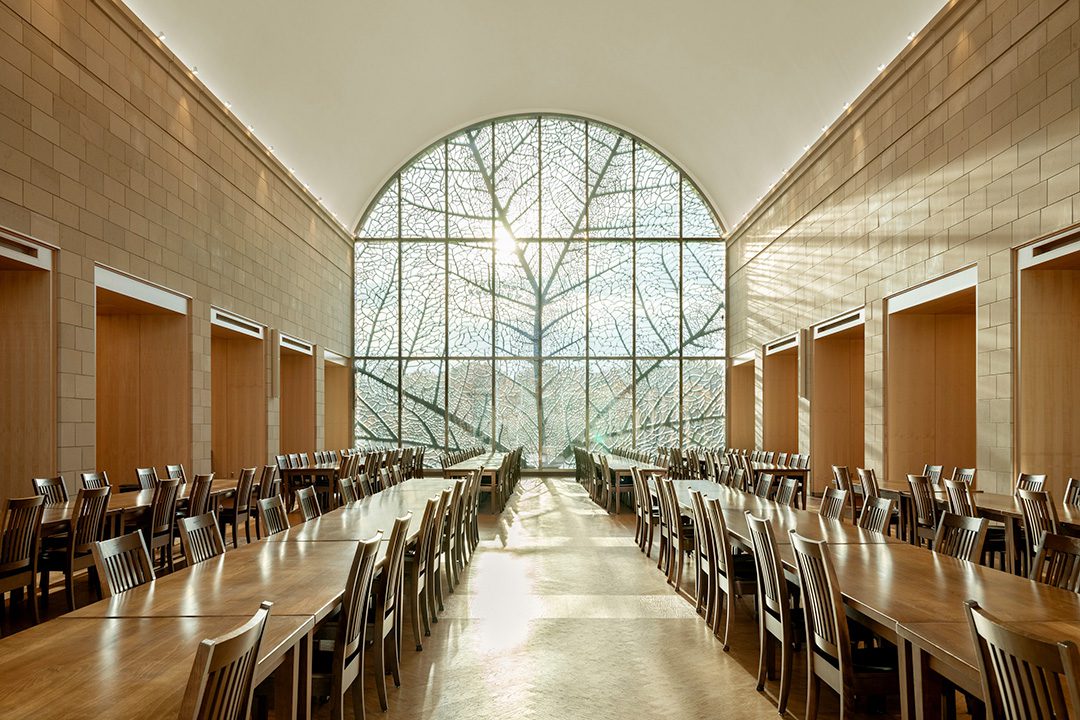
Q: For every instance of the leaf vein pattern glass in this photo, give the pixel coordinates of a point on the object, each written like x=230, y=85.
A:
x=542, y=281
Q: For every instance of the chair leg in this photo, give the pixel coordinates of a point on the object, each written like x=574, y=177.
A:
x=414, y=609
x=32, y=598
x=380, y=665
x=395, y=664
x=247, y=527
x=786, y=661
x=235, y=530
x=69, y=588
x=764, y=650
x=812, y=689
x=44, y=587
x=358, y=694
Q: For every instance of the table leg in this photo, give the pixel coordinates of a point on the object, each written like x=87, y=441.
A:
x=907, y=685
x=1011, y=549
x=927, y=687
x=286, y=684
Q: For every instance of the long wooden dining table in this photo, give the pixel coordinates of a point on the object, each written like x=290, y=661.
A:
x=129, y=655
x=908, y=595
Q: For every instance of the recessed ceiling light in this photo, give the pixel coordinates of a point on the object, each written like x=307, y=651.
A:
x=194, y=70
x=880, y=68
x=911, y=36
x=824, y=128
x=805, y=148
x=161, y=36
x=228, y=105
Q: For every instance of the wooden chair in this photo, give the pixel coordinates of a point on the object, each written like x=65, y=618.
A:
x=681, y=533
x=1028, y=481
x=868, y=481
x=764, y=486
x=53, y=489
x=775, y=622
x=1040, y=516
x=733, y=575
x=876, y=514
x=1040, y=677
x=434, y=582
x=122, y=563
x=831, y=658
x=199, y=497
x=346, y=490
x=842, y=480
x=147, y=477
x=386, y=628
x=932, y=473
x=176, y=472
x=617, y=486
x=416, y=572
x=926, y=512
x=704, y=552
x=349, y=635
x=94, y=480
x=450, y=535
x=273, y=516
x=200, y=538
x=268, y=486
x=20, y=537
x=787, y=492
x=238, y=509
x=73, y=550
x=832, y=503
x=159, y=525
x=1057, y=562
x=1072, y=493
x=964, y=475
x=309, y=503
x=961, y=536
x=960, y=499
x=647, y=511
x=222, y=678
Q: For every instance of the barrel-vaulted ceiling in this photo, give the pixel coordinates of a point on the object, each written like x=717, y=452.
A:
x=346, y=91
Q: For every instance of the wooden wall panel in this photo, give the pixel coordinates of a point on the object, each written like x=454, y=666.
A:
x=143, y=393
x=238, y=403
x=297, y=402
x=27, y=389
x=337, y=406
x=1049, y=422
x=780, y=396
x=930, y=414
x=837, y=406
x=741, y=420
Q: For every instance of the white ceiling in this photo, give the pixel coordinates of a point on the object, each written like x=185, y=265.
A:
x=347, y=91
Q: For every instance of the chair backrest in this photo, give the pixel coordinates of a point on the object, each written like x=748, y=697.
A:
x=932, y=473
x=272, y=515
x=199, y=496
x=961, y=501
x=964, y=475
x=93, y=480
x=832, y=503
x=266, y=481
x=1039, y=676
x=1057, y=562
x=242, y=500
x=88, y=519
x=876, y=514
x=826, y=621
x=347, y=489
x=1028, y=481
x=785, y=493
x=309, y=503
x=841, y=477
x=20, y=533
x=147, y=477
x=163, y=506
x=926, y=511
x=122, y=563
x=961, y=536
x=1040, y=516
x=426, y=534
x=222, y=678
x=439, y=523
x=721, y=541
x=53, y=489
x=353, y=621
x=704, y=540
x=1072, y=492
x=176, y=472
x=393, y=570
x=294, y=460
x=764, y=485
x=772, y=585
x=868, y=480
x=282, y=462
x=737, y=479
x=200, y=538
x=304, y=460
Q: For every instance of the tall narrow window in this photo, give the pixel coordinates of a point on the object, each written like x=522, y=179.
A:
x=540, y=281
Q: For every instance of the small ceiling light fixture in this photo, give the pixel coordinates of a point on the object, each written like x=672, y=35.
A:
x=847, y=105
x=250, y=129
x=805, y=148
x=161, y=36
x=880, y=68
x=228, y=105
x=194, y=69
x=270, y=148
x=824, y=128
x=910, y=36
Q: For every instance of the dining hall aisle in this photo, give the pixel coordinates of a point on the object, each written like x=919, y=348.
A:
x=560, y=616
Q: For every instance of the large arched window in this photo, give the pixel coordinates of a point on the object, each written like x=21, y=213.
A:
x=542, y=281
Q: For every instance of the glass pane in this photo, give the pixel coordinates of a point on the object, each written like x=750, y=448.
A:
x=697, y=221
x=469, y=177
x=376, y=282
x=376, y=402
x=422, y=412
x=517, y=384
x=517, y=178
x=657, y=202
x=610, y=403
x=657, y=403
x=704, y=313
x=611, y=183
x=517, y=298
x=657, y=298
x=469, y=416
x=703, y=403
x=423, y=310
x=423, y=196
x=562, y=182
x=611, y=322
x=382, y=221
x=564, y=411
x=470, y=298
x=563, y=288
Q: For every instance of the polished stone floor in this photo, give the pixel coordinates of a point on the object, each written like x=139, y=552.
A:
x=560, y=616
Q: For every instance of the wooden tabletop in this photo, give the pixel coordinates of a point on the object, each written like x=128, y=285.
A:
x=491, y=462
x=778, y=468
x=80, y=668
x=120, y=502
x=624, y=465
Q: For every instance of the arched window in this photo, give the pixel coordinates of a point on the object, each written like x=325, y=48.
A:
x=543, y=281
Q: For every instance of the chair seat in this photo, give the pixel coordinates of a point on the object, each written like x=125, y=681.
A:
x=875, y=659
